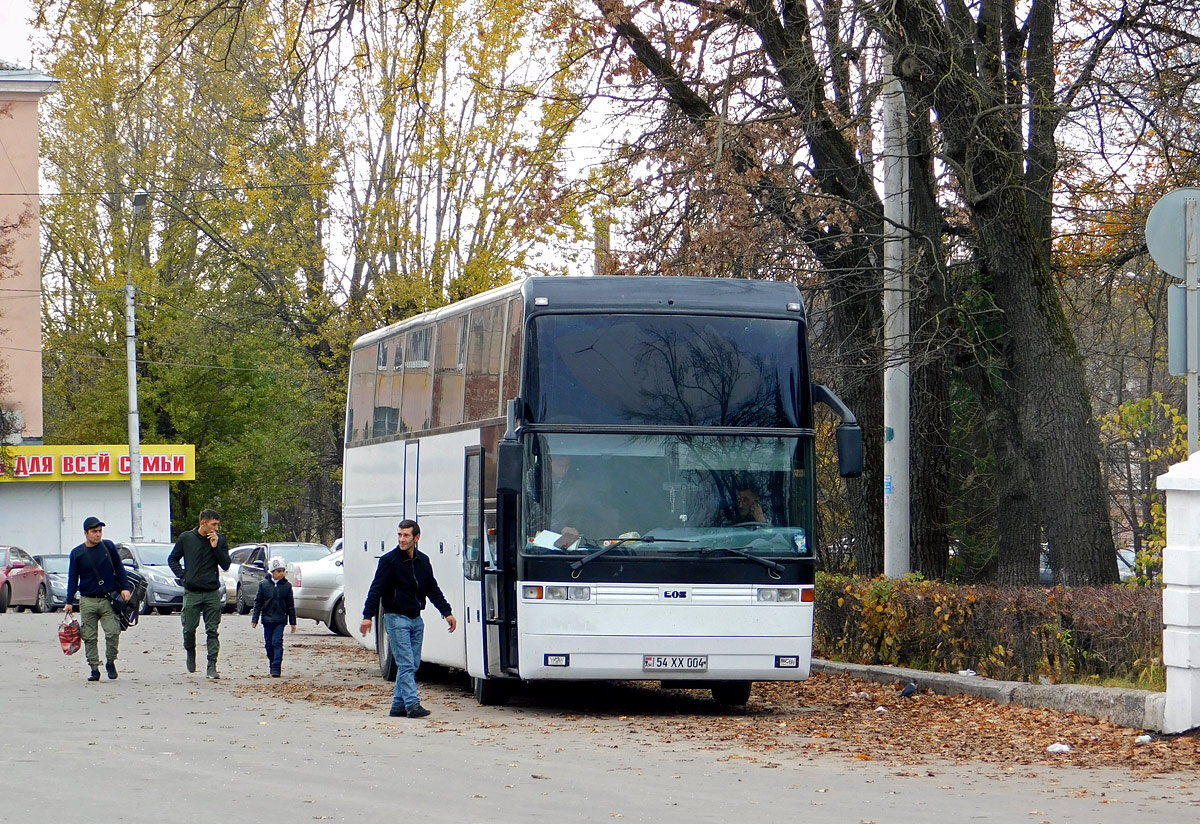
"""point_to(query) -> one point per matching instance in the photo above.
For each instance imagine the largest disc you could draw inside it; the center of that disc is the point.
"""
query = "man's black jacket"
(198, 572)
(403, 584)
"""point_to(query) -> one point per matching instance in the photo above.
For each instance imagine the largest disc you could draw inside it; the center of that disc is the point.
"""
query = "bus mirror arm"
(849, 433)
(512, 419)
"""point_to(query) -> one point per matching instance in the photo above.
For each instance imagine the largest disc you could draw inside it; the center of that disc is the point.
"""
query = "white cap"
(277, 563)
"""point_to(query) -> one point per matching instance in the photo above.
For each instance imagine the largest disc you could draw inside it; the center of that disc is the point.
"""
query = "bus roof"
(626, 293)
(620, 293)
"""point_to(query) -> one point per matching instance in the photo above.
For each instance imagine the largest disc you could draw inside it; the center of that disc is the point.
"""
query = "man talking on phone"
(202, 550)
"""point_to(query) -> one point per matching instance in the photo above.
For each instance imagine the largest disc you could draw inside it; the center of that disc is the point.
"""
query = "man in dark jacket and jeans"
(202, 550)
(403, 580)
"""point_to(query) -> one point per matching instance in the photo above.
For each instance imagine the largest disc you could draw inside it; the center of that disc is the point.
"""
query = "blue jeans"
(405, 635)
(273, 637)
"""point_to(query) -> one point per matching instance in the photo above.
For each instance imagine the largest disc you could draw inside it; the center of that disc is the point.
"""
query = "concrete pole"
(896, 378)
(1181, 599)
(1193, 321)
(135, 428)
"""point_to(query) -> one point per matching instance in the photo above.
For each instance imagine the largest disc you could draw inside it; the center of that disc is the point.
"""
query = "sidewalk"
(1137, 709)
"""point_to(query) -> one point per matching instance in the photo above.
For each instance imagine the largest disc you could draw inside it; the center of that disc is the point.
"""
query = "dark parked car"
(22, 581)
(254, 567)
(56, 567)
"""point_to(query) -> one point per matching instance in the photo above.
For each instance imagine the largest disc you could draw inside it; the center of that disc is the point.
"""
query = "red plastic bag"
(68, 635)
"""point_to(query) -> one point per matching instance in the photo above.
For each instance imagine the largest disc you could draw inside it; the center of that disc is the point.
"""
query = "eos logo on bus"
(674, 593)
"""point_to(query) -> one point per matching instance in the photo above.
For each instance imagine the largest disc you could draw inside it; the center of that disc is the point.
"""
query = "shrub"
(1011, 633)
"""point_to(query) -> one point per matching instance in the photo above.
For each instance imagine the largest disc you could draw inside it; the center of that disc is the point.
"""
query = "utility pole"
(897, 518)
(135, 449)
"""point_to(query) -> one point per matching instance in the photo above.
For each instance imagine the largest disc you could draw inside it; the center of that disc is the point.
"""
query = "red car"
(22, 582)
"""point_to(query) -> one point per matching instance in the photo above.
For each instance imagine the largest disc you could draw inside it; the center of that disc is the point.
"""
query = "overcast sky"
(15, 32)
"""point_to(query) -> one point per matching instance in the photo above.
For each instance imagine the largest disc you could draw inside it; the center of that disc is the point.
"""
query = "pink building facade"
(20, 249)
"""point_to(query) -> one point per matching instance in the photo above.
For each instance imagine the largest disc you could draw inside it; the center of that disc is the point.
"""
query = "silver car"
(163, 590)
(317, 587)
(253, 568)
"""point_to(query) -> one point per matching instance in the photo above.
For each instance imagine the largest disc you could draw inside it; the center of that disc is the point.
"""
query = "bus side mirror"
(848, 434)
(510, 459)
(850, 450)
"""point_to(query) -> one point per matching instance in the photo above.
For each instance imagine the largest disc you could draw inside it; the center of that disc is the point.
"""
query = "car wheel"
(145, 607)
(5, 597)
(42, 604)
(337, 622)
(242, 607)
(387, 664)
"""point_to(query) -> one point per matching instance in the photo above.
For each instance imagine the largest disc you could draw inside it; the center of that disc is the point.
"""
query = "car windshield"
(297, 552)
(56, 563)
(153, 554)
(656, 495)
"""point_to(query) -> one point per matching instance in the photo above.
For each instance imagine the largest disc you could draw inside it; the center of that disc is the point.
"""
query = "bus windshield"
(664, 370)
(660, 495)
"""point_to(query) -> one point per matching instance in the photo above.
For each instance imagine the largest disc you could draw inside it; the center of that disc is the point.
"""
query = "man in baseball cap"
(95, 570)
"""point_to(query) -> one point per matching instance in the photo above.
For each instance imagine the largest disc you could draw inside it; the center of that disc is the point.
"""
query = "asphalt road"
(160, 744)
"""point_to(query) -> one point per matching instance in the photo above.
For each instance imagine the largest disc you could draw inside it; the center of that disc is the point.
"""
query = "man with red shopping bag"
(95, 570)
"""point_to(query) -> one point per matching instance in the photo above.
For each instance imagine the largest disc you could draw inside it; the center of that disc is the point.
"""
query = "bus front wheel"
(732, 693)
(490, 692)
(387, 664)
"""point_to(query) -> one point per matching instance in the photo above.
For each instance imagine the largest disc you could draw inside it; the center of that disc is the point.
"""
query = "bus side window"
(485, 349)
(414, 408)
(362, 395)
(449, 374)
(512, 356)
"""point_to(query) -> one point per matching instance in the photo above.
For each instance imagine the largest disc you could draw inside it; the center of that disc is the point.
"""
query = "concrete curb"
(1137, 709)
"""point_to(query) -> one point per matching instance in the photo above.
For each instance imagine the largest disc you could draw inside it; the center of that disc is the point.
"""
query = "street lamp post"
(135, 451)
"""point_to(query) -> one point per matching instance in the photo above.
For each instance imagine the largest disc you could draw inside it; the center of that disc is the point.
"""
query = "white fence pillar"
(1181, 597)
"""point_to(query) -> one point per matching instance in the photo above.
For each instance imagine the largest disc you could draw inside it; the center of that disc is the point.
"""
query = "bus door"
(473, 554)
(480, 593)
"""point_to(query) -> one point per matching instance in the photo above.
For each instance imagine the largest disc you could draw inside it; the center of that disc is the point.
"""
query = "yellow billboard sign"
(96, 462)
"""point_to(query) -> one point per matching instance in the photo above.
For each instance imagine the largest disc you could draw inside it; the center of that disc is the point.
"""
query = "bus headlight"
(556, 593)
(779, 595)
(531, 593)
(579, 593)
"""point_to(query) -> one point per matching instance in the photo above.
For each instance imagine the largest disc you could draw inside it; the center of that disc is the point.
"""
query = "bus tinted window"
(360, 412)
(512, 359)
(485, 348)
(387, 388)
(665, 370)
(414, 408)
(449, 377)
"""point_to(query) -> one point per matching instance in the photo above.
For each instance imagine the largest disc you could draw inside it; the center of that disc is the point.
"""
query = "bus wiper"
(769, 564)
(648, 539)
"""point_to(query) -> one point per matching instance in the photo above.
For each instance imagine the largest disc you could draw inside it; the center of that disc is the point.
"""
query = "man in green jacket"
(202, 550)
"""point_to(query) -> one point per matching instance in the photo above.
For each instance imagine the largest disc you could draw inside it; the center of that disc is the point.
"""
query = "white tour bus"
(614, 478)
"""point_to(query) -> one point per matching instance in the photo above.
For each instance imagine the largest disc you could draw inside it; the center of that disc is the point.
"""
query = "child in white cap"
(276, 606)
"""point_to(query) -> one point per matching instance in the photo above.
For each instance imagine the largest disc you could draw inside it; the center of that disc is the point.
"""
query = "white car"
(317, 588)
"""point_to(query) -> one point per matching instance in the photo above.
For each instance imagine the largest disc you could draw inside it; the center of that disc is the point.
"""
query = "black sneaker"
(417, 711)
(394, 712)
(95, 676)
(191, 660)
(111, 668)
